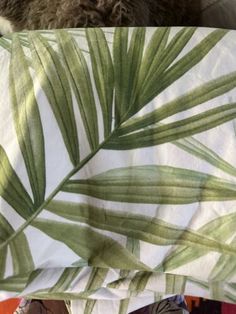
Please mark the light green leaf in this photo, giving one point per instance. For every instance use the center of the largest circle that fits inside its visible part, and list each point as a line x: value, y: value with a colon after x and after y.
x: 53, y: 79
x: 4, y: 234
x: 5, y: 229
x: 27, y: 120
x: 216, y: 290
x: 174, y: 48
x: 11, y: 188
x: 19, y: 248
x: 195, y: 97
x: 188, y: 61
x: 133, y: 246
x: 175, y: 284
x: 127, y: 61
x: 78, y: 73
x: 139, y: 281
x: 201, y: 151
x: 21, y: 255
x: 120, y: 60
x: 154, y: 185
x: 3, y: 261
x: 176, y: 130
x: 64, y: 282
x: 14, y: 284
x: 155, y: 54
x: 230, y: 297
x: 99, y: 250
x: 219, y: 229
x: 103, y: 73
x: 153, y: 85
x: 167, y: 74
x: 138, y: 227
x: 5, y: 44
x: 96, y: 280
x: 89, y: 306
x: 124, y: 304
x: 225, y: 268
x: 134, y: 59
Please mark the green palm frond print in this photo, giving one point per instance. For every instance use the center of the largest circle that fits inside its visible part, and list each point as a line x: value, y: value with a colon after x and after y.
x: 117, y: 166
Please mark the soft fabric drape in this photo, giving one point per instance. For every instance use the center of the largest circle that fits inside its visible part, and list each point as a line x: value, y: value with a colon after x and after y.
x: 118, y: 166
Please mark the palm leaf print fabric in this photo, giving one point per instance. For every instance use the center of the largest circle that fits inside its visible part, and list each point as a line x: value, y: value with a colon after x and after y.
x: 118, y: 166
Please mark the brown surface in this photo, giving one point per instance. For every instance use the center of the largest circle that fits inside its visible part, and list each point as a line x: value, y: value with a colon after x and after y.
x: 46, y: 307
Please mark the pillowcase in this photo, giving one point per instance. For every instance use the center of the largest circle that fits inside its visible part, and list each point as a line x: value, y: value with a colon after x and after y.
x: 117, y: 165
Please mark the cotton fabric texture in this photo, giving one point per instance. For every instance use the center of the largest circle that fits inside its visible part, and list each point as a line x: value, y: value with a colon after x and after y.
x: 118, y: 166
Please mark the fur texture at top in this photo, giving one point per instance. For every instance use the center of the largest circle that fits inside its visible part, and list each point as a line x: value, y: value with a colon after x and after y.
x: 48, y: 14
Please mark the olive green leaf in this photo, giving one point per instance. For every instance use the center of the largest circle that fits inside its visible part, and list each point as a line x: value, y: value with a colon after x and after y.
x: 219, y: 229
x: 65, y: 280
x: 80, y: 79
x: 5, y: 44
x: 154, y: 185
x: 3, y: 260
x: 192, y: 98
x: 14, y: 283
x: 201, y: 151
x: 175, y: 130
x: 96, y: 280
x: 11, y: 188
x: 189, y: 60
x: 21, y: 254
x: 19, y: 248
x: 139, y: 227
x: 99, y: 250
x: 103, y: 73
x: 120, y: 52
x: 175, y: 284
x: 5, y: 230
x: 54, y: 81
x: 156, y: 55
x: 27, y: 120
x: 168, y: 73
x: 133, y: 246
x: 127, y: 63
x: 225, y: 268
x: 139, y: 281
x: 124, y: 303
x: 163, y: 59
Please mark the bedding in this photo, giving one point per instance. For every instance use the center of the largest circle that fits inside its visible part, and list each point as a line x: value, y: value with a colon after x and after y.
x: 118, y: 166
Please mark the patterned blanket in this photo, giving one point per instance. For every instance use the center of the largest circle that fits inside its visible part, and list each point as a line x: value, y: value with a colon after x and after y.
x: 118, y: 166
